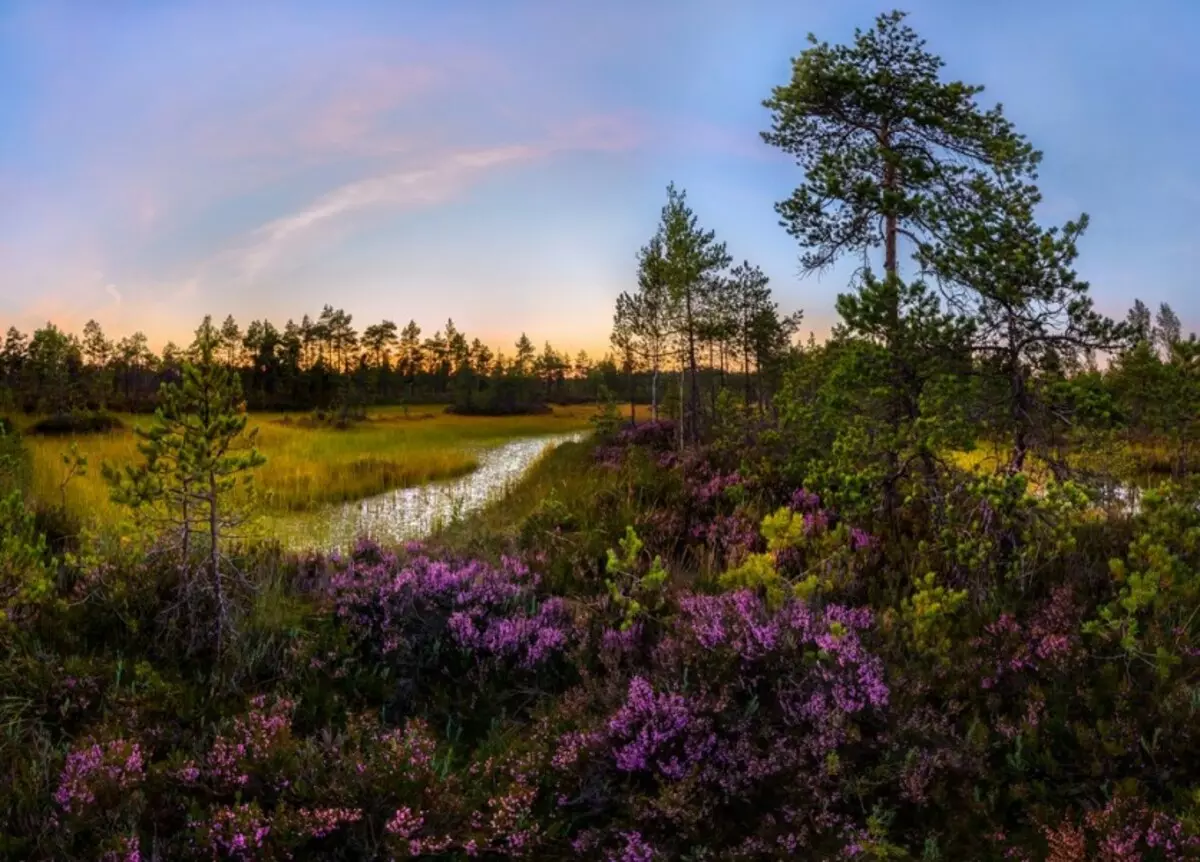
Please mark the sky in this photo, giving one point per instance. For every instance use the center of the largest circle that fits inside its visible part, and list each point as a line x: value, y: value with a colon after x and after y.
x: 499, y: 162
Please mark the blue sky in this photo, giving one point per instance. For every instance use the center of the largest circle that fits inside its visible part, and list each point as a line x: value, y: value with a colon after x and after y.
x: 501, y: 162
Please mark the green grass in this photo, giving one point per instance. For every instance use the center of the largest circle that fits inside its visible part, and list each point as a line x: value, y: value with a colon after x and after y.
x: 312, y: 466
x: 566, y: 507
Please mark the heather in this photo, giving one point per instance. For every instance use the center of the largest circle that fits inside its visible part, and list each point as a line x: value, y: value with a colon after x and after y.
x: 447, y: 700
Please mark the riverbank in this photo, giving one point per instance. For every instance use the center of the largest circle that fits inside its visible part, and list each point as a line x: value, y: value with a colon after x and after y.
x: 309, y: 466
x: 414, y: 512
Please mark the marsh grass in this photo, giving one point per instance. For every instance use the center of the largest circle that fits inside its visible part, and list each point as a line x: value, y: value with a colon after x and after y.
x: 1141, y: 463
x: 310, y: 466
x: 564, y: 507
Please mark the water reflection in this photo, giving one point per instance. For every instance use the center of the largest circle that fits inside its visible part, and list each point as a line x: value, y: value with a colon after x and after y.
x: 408, y: 513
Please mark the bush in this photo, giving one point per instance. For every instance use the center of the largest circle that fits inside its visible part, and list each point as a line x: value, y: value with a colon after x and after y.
x: 499, y: 408
x: 763, y: 679
x: 504, y: 396
x: 88, y: 422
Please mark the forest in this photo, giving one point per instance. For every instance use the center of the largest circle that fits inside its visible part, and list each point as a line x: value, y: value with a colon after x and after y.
x: 326, y: 364
x: 924, y: 590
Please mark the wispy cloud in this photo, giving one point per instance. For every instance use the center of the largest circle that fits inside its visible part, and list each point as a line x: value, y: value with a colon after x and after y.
x: 433, y: 183
x: 111, y: 290
x: 426, y: 182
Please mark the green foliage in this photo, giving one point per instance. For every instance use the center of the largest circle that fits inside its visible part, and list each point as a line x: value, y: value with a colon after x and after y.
x: 197, y: 449
x: 634, y: 589
x: 74, y: 465
x: 27, y: 568
x: 876, y: 405
x: 1157, y: 587
x: 1160, y: 400
x: 877, y: 132
x: 50, y: 372
x: 681, y: 269
x: 822, y: 559
x: 998, y: 529
x: 1031, y: 315
x: 195, y: 453
x: 928, y: 615
x: 608, y: 420
x: 758, y: 574
x: 782, y: 529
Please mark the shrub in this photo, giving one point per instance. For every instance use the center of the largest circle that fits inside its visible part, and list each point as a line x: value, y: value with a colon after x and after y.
x: 84, y: 422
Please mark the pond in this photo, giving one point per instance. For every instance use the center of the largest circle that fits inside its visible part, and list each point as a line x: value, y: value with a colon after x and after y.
x: 411, y: 513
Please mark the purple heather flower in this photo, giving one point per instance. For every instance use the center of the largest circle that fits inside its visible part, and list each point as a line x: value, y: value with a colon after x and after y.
x: 805, y: 501
x: 115, y: 766
x: 634, y: 849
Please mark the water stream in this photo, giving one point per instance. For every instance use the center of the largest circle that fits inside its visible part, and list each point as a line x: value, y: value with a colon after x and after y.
x: 410, y: 513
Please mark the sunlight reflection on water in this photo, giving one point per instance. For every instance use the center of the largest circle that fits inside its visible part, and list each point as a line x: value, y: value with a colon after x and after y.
x: 410, y: 513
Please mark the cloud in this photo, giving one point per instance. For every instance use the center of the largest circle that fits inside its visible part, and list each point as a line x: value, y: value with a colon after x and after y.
x: 435, y: 180
x: 400, y: 189
x: 111, y: 290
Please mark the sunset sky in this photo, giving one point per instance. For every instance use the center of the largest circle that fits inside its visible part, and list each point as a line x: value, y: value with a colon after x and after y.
x: 500, y: 162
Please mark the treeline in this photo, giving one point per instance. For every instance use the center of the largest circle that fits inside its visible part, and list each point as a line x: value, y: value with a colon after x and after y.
x: 324, y: 363
x: 317, y: 363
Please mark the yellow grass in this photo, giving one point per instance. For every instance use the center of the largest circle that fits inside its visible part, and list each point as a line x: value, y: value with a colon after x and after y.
x: 1140, y: 463
x: 308, y: 467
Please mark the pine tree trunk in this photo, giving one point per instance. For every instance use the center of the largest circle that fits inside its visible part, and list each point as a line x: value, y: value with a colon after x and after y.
x: 682, y: 410
x: 723, y: 346
x: 891, y: 266
x: 214, y: 560
x: 186, y: 541
x: 712, y: 377
x: 746, y: 371
x: 632, y: 397
x: 692, y: 431
x: 654, y: 392
x: 1020, y: 409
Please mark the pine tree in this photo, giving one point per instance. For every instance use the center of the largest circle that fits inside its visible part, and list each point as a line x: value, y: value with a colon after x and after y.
x: 690, y: 263
x: 1014, y: 280
x: 1168, y: 329
x: 889, y: 151
x: 882, y: 142
x: 195, y: 453
x: 644, y: 324
x: 751, y: 300
x: 523, y: 363
x: 231, y: 341
x: 1140, y: 323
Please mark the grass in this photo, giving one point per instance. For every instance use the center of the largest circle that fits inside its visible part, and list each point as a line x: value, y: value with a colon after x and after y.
x: 312, y: 466
x: 1141, y: 463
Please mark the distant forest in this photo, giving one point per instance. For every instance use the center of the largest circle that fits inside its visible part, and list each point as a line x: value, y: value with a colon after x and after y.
x: 326, y: 363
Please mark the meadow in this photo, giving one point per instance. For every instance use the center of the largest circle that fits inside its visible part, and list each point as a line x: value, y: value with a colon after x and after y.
x: 309, y: 465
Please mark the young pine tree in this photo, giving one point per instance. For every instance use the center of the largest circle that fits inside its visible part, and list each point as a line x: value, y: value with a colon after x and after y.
x: 195, y: 453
